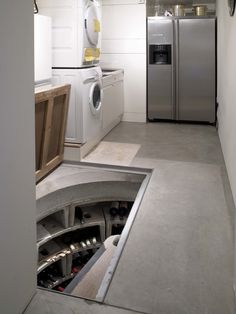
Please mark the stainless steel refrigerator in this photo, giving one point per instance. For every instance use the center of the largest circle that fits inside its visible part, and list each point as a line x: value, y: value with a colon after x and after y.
x: 181, y: 68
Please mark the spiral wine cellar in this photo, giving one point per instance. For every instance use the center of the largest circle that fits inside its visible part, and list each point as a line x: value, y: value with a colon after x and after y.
x: 84, y: 214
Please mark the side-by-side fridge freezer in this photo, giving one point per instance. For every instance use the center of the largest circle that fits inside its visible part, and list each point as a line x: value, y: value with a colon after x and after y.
x: 181, y: 68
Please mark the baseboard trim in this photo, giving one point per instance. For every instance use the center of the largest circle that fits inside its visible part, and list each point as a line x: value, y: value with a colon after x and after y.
x: 76, y: 152
x: 134, y: 117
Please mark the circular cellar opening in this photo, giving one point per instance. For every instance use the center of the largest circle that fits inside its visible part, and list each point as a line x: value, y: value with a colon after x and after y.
x: 82, y: 228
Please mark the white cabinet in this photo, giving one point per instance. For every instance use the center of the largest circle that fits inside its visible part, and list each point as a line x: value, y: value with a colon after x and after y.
x: 124, y: 46
x: 67, y: 37
x: 113, y: 103
x: 123, y: 21
x: 42, y: 48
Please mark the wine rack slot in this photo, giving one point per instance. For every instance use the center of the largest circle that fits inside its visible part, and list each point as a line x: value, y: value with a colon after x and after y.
x: 52, y: 225
x: 116, y: 215
x: 90, y: 215
x: 50, y: 253
x: 53, y: 275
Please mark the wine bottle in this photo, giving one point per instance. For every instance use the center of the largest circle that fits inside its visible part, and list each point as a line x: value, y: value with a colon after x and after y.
x: 83, y: 245
x: 123, y: 209
x: 79, y: 214
x: 85, y: 257
x: 52, y: 277
x: 41, y: 283
x: 94, y: 240
x: 76, y: 255
x: 88, y: 243
x: 75, y: 270
x: 54, y: 270
x: 77, y: 262
x: 49, y: 283
x: 114, y: 209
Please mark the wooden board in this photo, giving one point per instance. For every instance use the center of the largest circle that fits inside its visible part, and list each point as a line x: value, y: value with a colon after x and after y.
x: 51, y: 109
x: 90, y: 282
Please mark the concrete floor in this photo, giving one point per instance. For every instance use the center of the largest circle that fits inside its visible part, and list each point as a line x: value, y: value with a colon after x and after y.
x: 178, y: 258
x: 190, y: 219
x: 175, y: 142
x: 170, y: 141
x: 47, y: 302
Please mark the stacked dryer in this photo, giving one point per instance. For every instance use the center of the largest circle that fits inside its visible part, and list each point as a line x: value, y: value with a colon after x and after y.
x: 75, y: 56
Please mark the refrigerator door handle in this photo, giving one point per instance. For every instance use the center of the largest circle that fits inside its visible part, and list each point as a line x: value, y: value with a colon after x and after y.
x: 176, y: 39
x: 173, y: 61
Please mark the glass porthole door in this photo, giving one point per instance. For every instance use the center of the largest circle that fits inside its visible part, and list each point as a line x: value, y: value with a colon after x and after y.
x: 92, y: 25
x: 231, y: 4
x: 95, y: 99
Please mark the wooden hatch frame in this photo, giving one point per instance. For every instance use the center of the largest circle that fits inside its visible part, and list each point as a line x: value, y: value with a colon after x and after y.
x: 51, y: 110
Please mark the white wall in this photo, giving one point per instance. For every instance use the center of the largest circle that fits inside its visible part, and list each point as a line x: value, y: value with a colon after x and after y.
x: 124, y: 46
x: 17, y: 186
x: 227, y: 88
x: 227, y: 92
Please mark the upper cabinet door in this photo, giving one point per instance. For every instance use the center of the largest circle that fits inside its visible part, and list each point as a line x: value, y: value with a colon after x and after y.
x: 196, y: 64
x: 123, y: 21
x: 42, y: 48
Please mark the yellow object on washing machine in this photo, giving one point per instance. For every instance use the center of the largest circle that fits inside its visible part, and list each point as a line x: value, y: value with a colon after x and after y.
x: 88, y: 54
x: 97, y: 27
x: 96, y: 53
x: 91, y: 54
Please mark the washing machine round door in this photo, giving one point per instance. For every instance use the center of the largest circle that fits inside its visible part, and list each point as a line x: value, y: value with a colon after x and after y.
x: 95, y: 98
x: 92, y: 25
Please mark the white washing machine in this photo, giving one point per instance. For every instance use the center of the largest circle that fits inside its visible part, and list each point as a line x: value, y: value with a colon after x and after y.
x: 76, y: 27
x: 85, y: 107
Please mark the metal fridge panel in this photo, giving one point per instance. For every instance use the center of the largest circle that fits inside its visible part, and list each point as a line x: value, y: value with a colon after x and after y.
x: 160, y: 31
x: 196, y: 70
x: 160, y: 92
x: 161, y: 77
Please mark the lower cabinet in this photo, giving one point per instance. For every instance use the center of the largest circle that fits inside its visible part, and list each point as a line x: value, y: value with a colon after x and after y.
x: 113, y: 103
